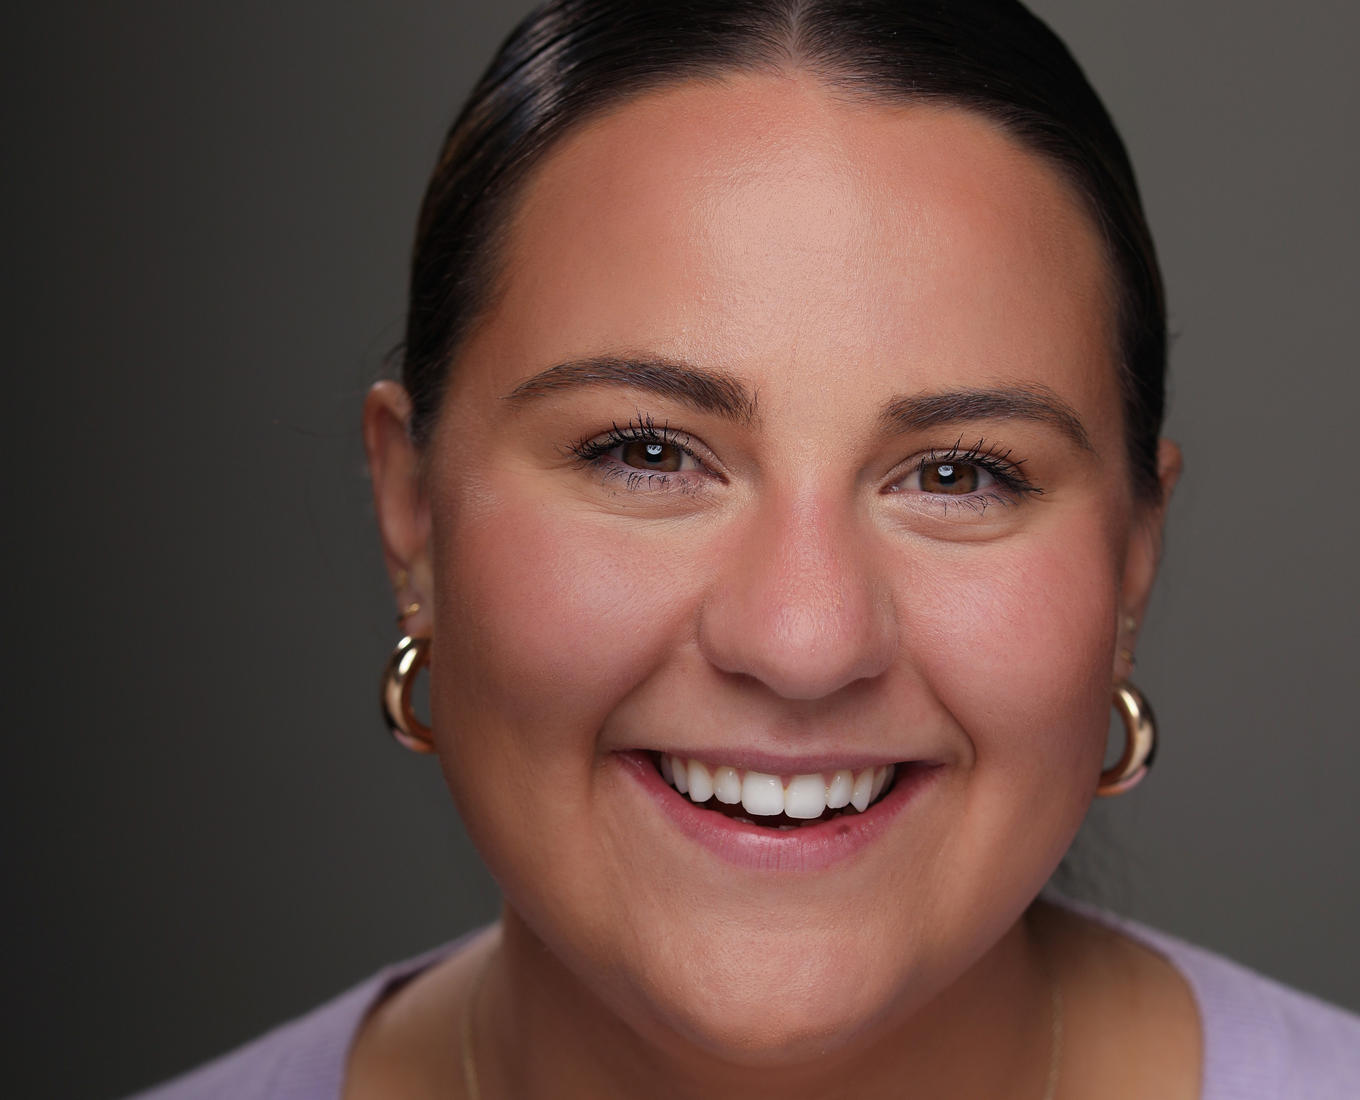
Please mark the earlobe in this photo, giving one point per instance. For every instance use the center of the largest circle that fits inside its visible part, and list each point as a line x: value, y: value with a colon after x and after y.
x: 399, y: 500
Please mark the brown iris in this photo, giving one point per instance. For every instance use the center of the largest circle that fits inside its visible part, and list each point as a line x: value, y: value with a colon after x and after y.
x: 649, y: 454
x: 949, y: 477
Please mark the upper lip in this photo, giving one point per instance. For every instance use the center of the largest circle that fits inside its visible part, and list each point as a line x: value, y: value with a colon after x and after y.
x: 769, y: 763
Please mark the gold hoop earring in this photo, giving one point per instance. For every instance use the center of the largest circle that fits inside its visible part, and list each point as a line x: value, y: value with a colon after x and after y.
x: 399, y: 677
x: 1140, y: 742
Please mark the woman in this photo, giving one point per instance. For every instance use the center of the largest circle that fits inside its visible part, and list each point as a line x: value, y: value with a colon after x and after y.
x: 774, y: 491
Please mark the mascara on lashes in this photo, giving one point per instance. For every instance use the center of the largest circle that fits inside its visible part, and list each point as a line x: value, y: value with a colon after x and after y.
x: 997, y: 463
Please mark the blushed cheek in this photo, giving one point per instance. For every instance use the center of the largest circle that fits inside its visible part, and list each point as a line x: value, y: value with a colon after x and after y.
x: 1019, y: 650
x: 557, y: 617
x: 546, y: 621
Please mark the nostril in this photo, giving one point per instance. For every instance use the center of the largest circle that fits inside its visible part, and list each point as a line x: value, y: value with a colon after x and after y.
x: 804, y: 660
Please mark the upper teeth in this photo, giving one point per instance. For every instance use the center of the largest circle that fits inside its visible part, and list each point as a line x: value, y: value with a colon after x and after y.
x: 761, y: 795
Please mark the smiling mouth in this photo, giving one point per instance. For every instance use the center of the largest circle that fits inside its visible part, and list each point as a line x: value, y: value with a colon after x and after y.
x: 772, y: 801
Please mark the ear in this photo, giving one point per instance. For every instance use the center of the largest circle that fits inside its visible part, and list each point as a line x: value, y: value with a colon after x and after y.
x: 400, y: 501
x: 1144, y: 556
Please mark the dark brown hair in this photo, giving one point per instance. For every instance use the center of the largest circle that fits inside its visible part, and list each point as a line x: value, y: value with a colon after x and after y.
x: 571, y: 59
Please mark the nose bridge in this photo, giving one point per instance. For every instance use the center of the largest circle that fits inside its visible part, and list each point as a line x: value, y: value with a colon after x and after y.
x: 799, y: 606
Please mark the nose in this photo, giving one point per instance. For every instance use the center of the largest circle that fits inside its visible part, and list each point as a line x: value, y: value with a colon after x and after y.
x: 798, y: 605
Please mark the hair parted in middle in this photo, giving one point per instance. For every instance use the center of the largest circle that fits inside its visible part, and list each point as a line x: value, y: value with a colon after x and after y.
x: 570, y: 60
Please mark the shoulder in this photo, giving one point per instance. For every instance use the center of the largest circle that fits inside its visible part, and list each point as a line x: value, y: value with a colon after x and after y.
x: 303, y: 1059
x: 1261, y: 1039
x: 1257, y: 1030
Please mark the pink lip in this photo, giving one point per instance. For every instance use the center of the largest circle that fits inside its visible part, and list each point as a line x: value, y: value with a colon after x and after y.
x: 807, y: 848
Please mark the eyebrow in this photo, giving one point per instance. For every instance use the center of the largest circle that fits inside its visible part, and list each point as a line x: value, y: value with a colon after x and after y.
x: 715, y: 392
x: 705, y: 390
x: 1029, y: 402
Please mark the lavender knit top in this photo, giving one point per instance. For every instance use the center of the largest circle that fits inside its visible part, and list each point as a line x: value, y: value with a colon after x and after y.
x: 1262, y: 1041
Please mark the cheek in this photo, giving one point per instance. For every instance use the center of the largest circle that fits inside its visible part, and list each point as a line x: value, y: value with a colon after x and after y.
x: 555, y: 616
x: 1017, y: 644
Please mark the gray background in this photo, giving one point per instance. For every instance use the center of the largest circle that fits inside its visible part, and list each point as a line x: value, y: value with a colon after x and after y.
x: 207, y: 216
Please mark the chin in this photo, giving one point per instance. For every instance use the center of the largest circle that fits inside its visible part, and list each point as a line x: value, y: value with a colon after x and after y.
x: 754, y: 1007
x: 777, y: 1030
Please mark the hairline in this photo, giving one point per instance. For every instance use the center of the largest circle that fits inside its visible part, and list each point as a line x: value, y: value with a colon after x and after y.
x: 787, y: 56
x: 519, y: 176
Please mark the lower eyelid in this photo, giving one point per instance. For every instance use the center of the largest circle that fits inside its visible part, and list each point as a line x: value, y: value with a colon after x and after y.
x: 944, y: 507
x: 996, y: 493
x: 636, y: 480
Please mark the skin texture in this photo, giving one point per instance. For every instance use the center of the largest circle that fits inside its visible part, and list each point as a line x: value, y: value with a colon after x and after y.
x: 792, y: 589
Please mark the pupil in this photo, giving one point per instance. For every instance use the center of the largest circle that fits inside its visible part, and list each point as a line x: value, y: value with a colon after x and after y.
x: 651, y: 455
x: 947, y: 477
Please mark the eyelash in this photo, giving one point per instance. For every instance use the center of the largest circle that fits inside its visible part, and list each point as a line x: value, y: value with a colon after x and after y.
x: 1011, y: 484
x: 592, y: 451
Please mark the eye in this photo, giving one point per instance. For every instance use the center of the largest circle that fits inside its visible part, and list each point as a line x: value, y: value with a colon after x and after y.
x: 953, y: 478
x: 645, y: 454
x: 978, y: 476
x: 654, y: 455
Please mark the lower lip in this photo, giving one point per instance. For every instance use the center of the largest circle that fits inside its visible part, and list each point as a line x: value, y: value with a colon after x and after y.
x: 806, y: 848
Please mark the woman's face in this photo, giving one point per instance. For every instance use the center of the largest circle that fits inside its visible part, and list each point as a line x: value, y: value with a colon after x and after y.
x: 792, y: 445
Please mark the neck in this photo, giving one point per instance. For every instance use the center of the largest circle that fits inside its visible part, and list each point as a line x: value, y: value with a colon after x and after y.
x: 988, y: 1033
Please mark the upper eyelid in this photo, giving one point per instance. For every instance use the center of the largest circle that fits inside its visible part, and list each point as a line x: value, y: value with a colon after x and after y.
x: 982, y: 453
x: 641, y: 429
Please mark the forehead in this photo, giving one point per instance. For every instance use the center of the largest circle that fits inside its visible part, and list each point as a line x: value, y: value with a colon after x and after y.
x: 766, y: 226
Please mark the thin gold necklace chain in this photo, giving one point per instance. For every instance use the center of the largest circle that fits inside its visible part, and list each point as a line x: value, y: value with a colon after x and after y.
x: 470, y: 1084
x: 1055, y: 1041
x: 473, y: 1089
